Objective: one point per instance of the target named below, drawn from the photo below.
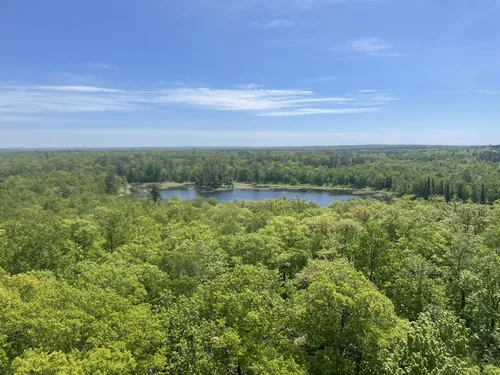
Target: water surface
(322, 198)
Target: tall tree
(447, 193)
(154, 192)
(483, 194)
(112, 183)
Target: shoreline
(246, 186)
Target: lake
(322, 198)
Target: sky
(171, 73)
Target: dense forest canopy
(94, 281)
(451, 172)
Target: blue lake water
(322, 198)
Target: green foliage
(343, 323)
(491, 370)
(436, 344)
(97, 361)
(154, 192)
(112, 183)
(213, 176)
(93, 282)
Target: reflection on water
(322, 198)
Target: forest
(467, 174)
(95, 280)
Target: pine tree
(483, 195)
(154, 192)
(447, 193)
(427, 188)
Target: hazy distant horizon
(194, 147)
(130, 138)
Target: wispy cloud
(346, 50)
(244, 100)
(250, 86)
(369, 45)
(488, 92)
(22, 100)
(99, 66)
(380, 97)
(384, 98)
(246, 5)
(29, 100)
(392, 54)
(320, 111)
(75, 88)
(273, 24)
(373, 47)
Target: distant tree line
(214, 176)
(453, 173)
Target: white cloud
(384, 98)
(77, 88)
(64, 99)
(232, 100)
(273, 24)
(320, 111)
(245, 100)
(26, 100)
(369, 45)
(373, 47)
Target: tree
(482, 311)
(416, 288)
(37, 240)
(483, 195)
(437, 343)
(213, 176)
(342, 322)
(154, 192)
(373, 254)
(427, 188)
(92, 282)
(346, 232)
(96, 361)
(491, 370)
(112, 183)
(246, 316)
(447, 193)
(294, 245)
(254, 248)
(42, 314)
(459, 260)
(137, 190)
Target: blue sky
(248, 72)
